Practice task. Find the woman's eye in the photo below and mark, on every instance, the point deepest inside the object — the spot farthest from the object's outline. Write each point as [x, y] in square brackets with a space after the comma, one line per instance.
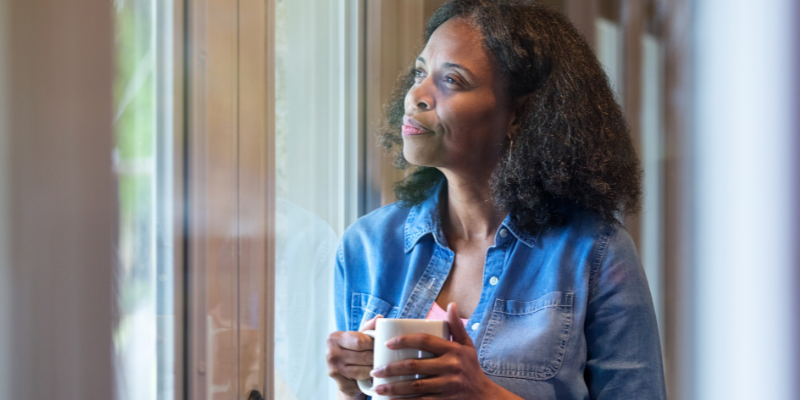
[418, 73]
[450, 80]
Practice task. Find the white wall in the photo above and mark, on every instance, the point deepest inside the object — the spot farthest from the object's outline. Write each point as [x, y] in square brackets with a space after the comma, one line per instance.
[745, 180]
[57, 199]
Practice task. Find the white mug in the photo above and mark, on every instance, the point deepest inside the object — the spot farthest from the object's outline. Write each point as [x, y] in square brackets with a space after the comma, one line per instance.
[386, 329]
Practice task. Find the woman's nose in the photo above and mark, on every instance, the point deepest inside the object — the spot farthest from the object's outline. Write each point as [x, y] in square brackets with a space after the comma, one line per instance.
[420, 97]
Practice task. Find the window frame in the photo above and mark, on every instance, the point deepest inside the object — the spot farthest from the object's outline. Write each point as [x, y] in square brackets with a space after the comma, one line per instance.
[375, 55]
[238, 66]
[229, 139]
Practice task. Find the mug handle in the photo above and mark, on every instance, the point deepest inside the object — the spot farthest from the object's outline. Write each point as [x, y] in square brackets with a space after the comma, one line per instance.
[366, 385]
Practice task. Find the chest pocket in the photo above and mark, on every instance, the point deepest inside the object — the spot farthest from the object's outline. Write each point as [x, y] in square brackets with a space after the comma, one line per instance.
[364, 307]
[527, 339]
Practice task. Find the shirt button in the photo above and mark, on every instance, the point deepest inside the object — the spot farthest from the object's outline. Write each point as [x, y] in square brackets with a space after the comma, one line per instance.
[503, 232]
[493, 281]
[475, 326]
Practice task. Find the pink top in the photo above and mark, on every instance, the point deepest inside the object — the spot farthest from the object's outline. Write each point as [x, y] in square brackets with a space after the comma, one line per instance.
[438, 314]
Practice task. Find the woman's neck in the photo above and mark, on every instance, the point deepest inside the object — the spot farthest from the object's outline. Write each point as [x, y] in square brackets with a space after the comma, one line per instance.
[468, 210]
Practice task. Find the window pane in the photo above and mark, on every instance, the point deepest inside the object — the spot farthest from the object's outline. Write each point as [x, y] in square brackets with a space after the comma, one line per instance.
[314, 188]
[609, 52]
[652, 143]
[143, 339]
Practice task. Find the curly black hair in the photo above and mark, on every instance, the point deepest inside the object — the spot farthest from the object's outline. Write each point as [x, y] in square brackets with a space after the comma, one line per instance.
[572, 146]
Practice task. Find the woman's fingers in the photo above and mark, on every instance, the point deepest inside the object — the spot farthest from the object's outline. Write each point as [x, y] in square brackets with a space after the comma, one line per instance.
[431, 385]
[370, 324]
[355, 341]
[457, 329]
[349, 348]
[415, 366]
[356, 372]
[349, 356]
[421, 341]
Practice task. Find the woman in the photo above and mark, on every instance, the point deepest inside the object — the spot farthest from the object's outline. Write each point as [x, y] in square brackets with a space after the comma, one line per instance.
[521, 163]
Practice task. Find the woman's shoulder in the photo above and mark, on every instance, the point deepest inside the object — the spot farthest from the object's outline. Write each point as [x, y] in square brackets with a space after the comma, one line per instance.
[583, 224]
[603, 237]
[382, 224]
[607, 246]
[609, 232]
[371, 241]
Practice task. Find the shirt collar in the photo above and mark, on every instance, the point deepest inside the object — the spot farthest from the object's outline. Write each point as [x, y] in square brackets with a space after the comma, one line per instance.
[424, 219]
[521, 235]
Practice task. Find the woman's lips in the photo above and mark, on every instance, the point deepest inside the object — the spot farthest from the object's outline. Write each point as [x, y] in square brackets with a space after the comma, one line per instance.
[412, 127]
[411, 130]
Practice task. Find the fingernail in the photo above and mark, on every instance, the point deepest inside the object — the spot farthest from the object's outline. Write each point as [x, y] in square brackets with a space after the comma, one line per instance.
[389, 343]
[375, 373]
[380, 389]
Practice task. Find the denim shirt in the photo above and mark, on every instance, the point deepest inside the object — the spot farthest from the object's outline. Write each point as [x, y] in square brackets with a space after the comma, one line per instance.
[564, 314]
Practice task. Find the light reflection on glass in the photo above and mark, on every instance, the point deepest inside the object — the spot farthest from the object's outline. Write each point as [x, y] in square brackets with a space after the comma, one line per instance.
[143, 339]
[311, 201]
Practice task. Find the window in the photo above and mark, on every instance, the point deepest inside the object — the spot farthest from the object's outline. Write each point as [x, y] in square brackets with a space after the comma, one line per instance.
[609, 44]
[229, 222]
[318, 144]
[245, 179]
[652, 154]
[143, 159]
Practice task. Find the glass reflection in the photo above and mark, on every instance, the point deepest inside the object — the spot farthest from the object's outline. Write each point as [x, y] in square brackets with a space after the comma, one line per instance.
[143, 339]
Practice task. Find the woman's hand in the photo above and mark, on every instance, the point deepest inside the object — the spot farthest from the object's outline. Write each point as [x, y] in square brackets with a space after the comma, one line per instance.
[454, 373]
[349, 358]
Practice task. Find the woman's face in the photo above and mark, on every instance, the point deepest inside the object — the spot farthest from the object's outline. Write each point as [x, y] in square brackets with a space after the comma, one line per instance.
[457, 113]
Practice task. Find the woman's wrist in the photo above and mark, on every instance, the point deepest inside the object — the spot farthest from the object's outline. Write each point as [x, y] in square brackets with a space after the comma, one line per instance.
[497, 392]
[359, 396]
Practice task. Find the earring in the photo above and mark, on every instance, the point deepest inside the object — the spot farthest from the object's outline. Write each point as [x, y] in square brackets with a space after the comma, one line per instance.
[510, 147]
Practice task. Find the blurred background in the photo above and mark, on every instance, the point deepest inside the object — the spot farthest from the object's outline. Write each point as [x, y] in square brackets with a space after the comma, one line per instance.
[175, 176]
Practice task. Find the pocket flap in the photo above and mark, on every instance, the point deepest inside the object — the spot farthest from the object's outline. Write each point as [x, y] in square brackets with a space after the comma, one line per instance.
[364, 307]
[552, 299]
